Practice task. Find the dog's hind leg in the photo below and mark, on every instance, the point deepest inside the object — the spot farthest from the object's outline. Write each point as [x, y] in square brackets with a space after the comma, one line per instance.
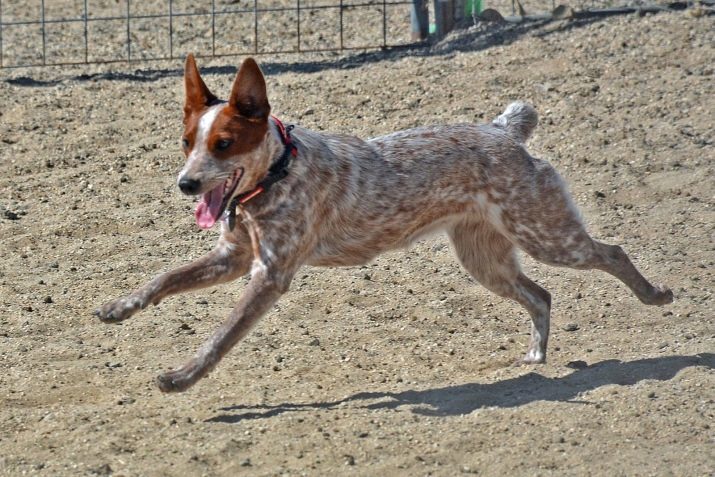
[548, 227]
[491, 259]
[221, 265]
[585, 253]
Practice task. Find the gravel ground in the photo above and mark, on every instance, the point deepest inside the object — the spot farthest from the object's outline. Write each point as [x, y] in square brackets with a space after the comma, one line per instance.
[400, 367]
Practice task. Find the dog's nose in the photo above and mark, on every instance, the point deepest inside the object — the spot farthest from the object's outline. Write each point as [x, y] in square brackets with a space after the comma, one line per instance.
[189, 186]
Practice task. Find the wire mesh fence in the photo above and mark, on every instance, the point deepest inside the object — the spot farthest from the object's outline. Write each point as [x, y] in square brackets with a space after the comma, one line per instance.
[64, 32]
[61, 32]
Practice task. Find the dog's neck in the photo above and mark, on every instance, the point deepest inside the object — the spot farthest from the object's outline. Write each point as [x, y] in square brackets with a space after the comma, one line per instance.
[277, 171]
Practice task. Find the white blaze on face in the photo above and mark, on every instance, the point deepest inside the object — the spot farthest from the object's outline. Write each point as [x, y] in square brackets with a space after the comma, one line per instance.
[200, 151]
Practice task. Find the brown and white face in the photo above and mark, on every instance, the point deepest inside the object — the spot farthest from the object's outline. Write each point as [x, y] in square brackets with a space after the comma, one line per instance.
[222, 140]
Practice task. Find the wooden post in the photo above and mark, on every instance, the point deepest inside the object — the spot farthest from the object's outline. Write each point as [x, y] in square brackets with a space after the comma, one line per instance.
[419, 18]
[444, 16]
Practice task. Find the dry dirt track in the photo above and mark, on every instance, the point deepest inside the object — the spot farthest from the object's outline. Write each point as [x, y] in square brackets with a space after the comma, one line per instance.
[401, 367]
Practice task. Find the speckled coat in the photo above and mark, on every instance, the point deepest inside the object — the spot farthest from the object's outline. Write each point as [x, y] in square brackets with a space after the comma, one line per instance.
[345, 200]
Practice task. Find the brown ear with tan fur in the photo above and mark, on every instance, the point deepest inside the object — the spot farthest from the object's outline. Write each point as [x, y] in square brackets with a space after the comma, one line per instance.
[198, 95]
[248, 94]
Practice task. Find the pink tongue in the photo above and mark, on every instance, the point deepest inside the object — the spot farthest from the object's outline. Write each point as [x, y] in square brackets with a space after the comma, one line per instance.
[209, 207]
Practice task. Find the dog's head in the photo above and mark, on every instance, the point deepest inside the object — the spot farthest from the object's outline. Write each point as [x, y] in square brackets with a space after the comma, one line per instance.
[224, 141]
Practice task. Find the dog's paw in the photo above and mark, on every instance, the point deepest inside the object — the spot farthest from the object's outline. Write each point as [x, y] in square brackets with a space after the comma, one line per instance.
[663, 295]
[175, 381]
[659, 295]
[533, 356]
[119, 309]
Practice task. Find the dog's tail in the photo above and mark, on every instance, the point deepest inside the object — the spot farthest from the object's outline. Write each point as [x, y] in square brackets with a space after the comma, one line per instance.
[519, 120]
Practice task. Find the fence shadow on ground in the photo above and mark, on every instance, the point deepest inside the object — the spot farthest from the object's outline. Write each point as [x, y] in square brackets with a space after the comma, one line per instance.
[475, 39]
[515, 392]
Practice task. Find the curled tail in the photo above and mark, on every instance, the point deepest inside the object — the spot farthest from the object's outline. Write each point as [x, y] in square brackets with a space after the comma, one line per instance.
[519, 120]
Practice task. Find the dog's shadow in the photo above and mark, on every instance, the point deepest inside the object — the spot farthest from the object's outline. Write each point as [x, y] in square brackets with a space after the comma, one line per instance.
[465, 398]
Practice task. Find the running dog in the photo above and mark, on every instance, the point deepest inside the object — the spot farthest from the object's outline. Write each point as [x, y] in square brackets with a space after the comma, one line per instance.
[286, 197]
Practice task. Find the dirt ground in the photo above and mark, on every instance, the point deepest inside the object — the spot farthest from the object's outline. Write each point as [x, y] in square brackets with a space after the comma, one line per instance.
[401, 367]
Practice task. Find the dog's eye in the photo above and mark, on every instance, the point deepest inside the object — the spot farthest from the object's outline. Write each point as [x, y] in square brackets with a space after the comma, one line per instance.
[185, 143]
[223, 144]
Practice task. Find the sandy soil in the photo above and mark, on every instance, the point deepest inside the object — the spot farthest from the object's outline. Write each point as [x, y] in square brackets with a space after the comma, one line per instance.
[401, 367]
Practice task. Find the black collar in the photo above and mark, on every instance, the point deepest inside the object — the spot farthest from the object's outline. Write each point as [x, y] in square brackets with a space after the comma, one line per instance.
[277, 171]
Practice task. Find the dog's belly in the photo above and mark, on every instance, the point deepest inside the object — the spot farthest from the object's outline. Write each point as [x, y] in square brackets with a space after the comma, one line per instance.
[362, 246]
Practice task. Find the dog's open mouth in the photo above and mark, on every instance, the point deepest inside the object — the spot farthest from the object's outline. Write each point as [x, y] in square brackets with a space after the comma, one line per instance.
[213, 202]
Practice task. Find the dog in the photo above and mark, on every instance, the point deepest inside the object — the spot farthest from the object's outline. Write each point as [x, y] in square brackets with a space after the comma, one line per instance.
[305, 197]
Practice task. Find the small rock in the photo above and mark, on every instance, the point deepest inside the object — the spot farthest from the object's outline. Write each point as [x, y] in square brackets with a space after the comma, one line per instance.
[103, 469]
[126, 400]
[577, 364]
[651, 395]
[599, 195]
[314, 342]
[349, 460]
[48, 299]
[571, 327]
[10, 215]
[245, 463]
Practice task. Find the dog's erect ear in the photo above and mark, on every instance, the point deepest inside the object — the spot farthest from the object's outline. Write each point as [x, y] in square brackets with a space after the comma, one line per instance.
[198, 95]
[248, 94]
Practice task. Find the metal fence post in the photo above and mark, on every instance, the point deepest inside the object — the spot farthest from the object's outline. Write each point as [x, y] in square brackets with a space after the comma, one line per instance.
[419, 18]
[0, 33]
[129, 32]
[44, 33]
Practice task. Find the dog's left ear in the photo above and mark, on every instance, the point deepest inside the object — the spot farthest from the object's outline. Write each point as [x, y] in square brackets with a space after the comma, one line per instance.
[198, 95]
[248, 94]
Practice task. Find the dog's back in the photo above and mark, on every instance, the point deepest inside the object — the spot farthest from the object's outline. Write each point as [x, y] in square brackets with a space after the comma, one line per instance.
[388, 191]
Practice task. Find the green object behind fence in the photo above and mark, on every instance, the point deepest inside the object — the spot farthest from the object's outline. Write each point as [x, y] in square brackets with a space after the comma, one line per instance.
[471, 7]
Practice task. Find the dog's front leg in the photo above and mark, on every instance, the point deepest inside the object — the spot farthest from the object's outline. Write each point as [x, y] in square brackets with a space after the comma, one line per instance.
[218, 266]
[263, 290]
